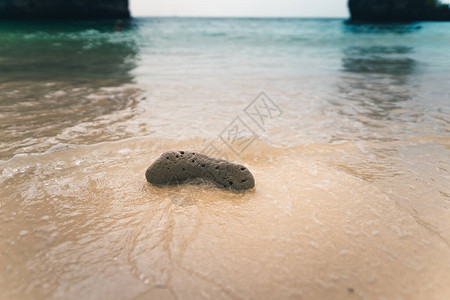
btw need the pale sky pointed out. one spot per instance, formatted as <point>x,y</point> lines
<point>240,8</point>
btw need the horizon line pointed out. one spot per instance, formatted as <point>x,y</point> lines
<point>242,17</point>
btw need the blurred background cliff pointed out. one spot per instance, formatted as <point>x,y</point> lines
<point>68,9</point>
<point>398,10</point>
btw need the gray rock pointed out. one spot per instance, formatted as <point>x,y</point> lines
<point>176,167</point>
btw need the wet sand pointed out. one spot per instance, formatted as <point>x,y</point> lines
<point>83,223</point>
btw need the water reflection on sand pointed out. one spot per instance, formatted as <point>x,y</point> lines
<point>55,77</point>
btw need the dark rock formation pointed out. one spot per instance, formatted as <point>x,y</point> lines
<point>63,9</point>
<point>176,167</point>
<point>398,10</point>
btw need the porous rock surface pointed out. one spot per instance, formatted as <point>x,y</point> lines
<point>176,167</point>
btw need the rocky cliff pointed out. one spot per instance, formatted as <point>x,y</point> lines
<point>63,9</point>
<point>398,10</point>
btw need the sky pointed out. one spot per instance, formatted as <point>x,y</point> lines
<point>240,8</point>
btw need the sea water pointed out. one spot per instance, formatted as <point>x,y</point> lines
<point>346,128</point>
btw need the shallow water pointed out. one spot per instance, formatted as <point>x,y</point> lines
<point>351,160</point>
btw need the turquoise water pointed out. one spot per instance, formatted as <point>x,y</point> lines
<point>384,73</point>
<point>351,161</point>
